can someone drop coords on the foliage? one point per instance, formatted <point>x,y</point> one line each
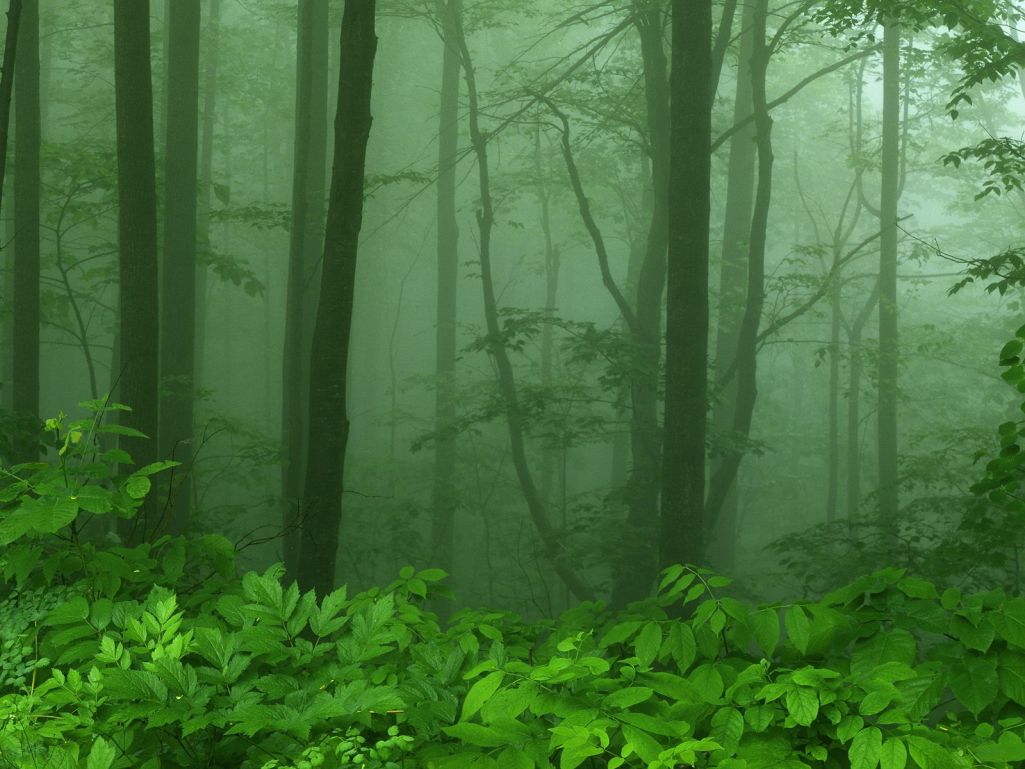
<point>116,670</point>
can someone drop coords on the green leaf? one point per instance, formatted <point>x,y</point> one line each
<point>915,587</point>
<point>137,486</point>
<point>1011,676</point>
<point>475,734</point>
<point>102,755</point>
<point>802,704</point>
<point>765,624</point>
<point>628,697</point>
<point>646,746</point>
<point>619,633</point>
<point>848,727</point>
<point>866,748</point>
<point>896,645</point>
<point>683,646</point>
<point>647,643</point>
<point>1012,622</point>
<point>798,628</point>
<point>727,728</point>
<point>974,682</point>
<point>480,692</point>
<point>893,754</point>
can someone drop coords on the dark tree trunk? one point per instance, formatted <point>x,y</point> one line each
<point>7,82</point>
<point>328,414</point>
<point>211,45</point>
<point>307,208</point>
<point>137,238</point>
<point>747,341</point>
<point>733,285</point>
<point>177,342</point>
<point>27,129</point>
<point>854,374</point>
<point>635,570</point>
<point>681,527</point>
<point>445,495</point>
<point>888,353</point>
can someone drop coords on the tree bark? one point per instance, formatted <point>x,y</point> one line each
<point>307,208</point>
<point>328,414</point>
<point>178,331</point>
<point>635,570</point>
<point>7,82</point>
<point>137,238</point>
<point>27,127</point>
<point>445,494</point>
<point>681,526</point>
<point>740,184</point>
<point>888,352</point>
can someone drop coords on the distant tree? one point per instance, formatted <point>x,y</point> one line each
<point>690,134</point>
<point>445,496</point>
<point>137,240</point>
<point>328,415</point>
<point>177,342</point>
<point>27,128</point>
<point>304,242</point>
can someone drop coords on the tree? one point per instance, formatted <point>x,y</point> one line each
<point>328,416</point>
<point>177,342</point>
<point>307,220</point>
<point>889,197</point>
<point>445,501</point>
<point>26,227</point>
<point>690,134</point>
<point>137,242</point>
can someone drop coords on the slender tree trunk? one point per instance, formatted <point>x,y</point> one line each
<point>211,41</point>
<point>888,352</point>
<point>550,453</point>
<point>554,549</point>
<point>683,454</point>
<point>747,340</point>
<point>854,375</point>
<point>137,238</point>
<point>26,229</point>
<point>7,82</point>
<point>833,405</point>
<point>635,570</point>
<point>733,284</point>
<point>328,416</point>
<point>445,494</point>
<point>177,342</point>
<point>307,208</point>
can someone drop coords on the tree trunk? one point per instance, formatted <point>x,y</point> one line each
<point>328,414</point>
<point>177,342</point>
<point>635,570</point>
<point>733,285</point>
<point>137,238</point>
<point>854,404</point>
<point>27,129</point>
<point>307,209</point>
<point>683,455</point>
<point>554,549</point>
<point>7,82</point>
<point>206,152</point>
<point>888,353</point>
<point>747,341</point>
<point>445,494</point>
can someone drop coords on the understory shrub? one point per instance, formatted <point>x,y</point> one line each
<point>160,656</point>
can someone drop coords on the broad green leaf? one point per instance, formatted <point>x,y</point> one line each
<point>915,587</point>
<point>646,746</point>
<point>893,754</point>
<point>480,692</point>
<point>647,643</point>
<point>475,734</point>
<point>727,728</point>
<point>619,633</point>
<point>798,627</point>
<point>1012,624</point>
<point>628,697</point>
<point>683,646</point>
<point>896,645</point>
<point>765,624</point>
<point>137,486</point>
<point>848,727</point>
<point>802,704</point>
<point>102,755</point>
<point>974,682</point>
<point>1011,676</point>
<point>866,748</point>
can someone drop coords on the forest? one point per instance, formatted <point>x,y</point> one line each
<point>512,384</point>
